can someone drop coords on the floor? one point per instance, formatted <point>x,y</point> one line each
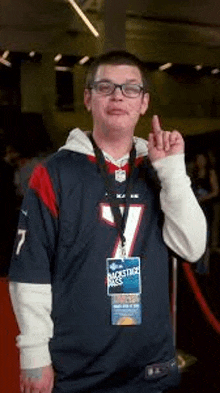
<point>198,343</point>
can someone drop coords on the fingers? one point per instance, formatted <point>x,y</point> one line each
<point>156,128</point>
<point>22,385</point>
<point>175,137</point>
<point>166,140</point>
<point>39,380</point>
<point>163,140</point>
<point>157,133</point>
<point>31,388</point>
<point>34,386</point>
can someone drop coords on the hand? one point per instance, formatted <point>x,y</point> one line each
<point>161,143</point>
<point>37,380</point>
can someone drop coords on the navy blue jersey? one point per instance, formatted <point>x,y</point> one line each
<point>66,233</point>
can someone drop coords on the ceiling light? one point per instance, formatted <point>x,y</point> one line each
<point>165,66</point>
<point>198,67</point>
<point>32,54</point>
<point>58,57</point>
<point>5,62</point>
<point>215,71</point>
<point>62,68</point>
<point>83,60</point>
<point>5,54</point>
<point>84,18</point>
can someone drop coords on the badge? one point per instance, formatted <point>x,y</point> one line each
<point>123,276</point>
<point>124,287</point>
<point>126,310</point>
<point>120,175</point>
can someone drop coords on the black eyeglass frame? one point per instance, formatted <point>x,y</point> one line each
<point>115,86</point>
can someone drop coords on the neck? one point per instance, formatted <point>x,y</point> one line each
<point>115,147</point>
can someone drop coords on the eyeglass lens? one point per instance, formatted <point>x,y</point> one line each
<point>107,88</point>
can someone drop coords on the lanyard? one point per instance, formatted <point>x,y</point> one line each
<point>120,219</point>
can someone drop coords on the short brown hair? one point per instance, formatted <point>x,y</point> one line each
<point>116,58</point>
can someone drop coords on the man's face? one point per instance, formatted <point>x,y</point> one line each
<point>115,112</point>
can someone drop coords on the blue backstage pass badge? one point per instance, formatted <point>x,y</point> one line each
<point>123,276</point>
<point>126,310</point>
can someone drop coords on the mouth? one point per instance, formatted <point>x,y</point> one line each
<point>116,111</point>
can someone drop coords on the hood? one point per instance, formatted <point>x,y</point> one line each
<point>79,142</point>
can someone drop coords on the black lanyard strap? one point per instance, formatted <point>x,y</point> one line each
<point>120,219</point>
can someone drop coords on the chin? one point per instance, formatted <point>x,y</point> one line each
<point>119,125</point>
<point>118,130</point>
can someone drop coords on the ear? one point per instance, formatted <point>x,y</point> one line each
<point>87,99</point>
<point>145,103</point>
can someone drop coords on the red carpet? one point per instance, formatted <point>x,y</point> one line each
<point>9,360</point>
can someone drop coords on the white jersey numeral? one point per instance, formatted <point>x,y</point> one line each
<point>22,233</point>
<point>134,218</point>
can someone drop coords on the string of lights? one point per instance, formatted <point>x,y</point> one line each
<point>67,62</point>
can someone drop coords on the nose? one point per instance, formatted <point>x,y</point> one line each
<point>117,93</point>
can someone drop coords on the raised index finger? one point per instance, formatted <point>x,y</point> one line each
<point>156,128</point>
<point>157,133</point>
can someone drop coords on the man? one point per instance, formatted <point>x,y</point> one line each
<point>89,275</point>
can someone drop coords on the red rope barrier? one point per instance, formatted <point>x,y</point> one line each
<point>200,298</point>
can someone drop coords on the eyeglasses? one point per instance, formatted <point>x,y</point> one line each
<point>106,88</point>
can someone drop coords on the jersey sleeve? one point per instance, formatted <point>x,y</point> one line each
<point>185,228</point>
<point>35,241</point>
<point>31,267</point>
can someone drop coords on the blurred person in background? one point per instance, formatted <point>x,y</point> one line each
<point>24,168</point>
<point>206,187</point>
<point>8,223</point>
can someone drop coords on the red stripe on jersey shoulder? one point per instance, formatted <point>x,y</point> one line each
<point>41,183</point>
